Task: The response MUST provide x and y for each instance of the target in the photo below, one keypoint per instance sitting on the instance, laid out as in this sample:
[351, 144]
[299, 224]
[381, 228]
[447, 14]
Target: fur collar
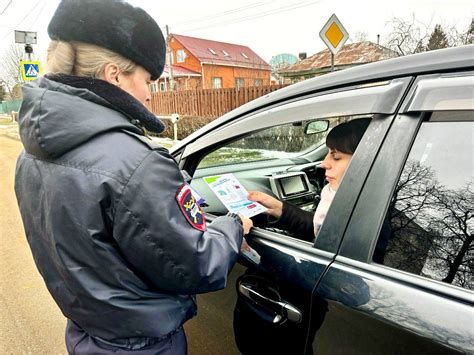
[118, 99]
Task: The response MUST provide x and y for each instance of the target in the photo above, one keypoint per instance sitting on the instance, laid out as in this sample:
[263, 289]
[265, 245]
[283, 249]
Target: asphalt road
[30, 321]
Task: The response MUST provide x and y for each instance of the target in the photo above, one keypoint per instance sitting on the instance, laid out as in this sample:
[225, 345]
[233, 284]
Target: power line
[220, 14]
[38, 15]
[255, 16]
[6, 7]
[23, 19]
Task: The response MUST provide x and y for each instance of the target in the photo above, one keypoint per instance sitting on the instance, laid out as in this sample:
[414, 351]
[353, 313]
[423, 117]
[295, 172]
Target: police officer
[114, 229]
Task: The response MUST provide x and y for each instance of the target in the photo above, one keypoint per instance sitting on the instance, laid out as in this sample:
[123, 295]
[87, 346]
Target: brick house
[350, 55]
[204, 64]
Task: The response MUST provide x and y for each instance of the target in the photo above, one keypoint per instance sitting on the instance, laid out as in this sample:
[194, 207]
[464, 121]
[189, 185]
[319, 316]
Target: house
[185, 79]
[350, 55]
[205, 64]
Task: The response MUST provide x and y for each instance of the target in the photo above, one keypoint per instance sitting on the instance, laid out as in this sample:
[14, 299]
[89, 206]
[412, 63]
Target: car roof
[449, 59]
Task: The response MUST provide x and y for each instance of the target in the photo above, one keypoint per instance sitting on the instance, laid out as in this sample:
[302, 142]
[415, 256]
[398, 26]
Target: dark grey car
[413, 170]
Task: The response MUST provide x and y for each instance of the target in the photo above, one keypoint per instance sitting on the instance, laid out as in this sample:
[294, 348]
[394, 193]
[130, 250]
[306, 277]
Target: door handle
[282, 309]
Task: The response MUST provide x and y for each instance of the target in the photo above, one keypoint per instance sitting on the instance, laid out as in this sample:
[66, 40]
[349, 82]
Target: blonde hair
[83, 59]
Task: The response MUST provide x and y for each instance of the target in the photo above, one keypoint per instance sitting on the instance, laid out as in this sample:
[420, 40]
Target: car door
[266, 306]
[416, 205]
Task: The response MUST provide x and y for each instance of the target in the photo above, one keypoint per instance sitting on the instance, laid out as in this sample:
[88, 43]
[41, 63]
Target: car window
[279, 142]
[429, 225]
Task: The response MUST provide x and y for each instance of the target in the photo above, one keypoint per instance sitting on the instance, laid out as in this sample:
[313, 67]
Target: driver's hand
[274, 206]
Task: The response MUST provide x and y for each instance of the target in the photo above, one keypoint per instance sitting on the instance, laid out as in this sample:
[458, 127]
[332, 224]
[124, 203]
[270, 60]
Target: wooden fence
[209, 103]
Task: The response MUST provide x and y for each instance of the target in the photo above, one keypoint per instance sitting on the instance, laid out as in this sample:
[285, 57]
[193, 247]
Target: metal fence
[208, 103]
[9, 106]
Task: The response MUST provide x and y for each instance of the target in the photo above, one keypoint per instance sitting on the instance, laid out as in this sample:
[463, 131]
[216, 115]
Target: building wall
[182, 83]
[229, 74]
[185, 83]
[208, 71]
[190, 61]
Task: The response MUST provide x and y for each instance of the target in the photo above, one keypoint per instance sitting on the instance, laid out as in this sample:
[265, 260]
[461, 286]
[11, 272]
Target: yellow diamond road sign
[334, 34]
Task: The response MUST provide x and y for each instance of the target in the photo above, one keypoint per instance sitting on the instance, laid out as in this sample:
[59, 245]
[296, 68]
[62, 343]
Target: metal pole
[332, 61]
[170, 61]
[175, 131]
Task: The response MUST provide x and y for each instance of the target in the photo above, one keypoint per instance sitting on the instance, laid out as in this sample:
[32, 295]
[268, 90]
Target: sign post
[334, 35]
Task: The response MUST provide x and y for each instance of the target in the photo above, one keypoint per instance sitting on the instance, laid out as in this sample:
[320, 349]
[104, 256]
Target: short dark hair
[346, 136]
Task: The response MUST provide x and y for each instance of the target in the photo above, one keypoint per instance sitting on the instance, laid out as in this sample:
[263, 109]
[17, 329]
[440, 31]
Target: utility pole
[170, 59]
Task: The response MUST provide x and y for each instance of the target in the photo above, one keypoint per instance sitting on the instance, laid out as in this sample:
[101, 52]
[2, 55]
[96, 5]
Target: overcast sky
[268, 27]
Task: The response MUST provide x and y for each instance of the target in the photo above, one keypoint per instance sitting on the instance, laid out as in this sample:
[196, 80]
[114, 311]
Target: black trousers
[79, 342]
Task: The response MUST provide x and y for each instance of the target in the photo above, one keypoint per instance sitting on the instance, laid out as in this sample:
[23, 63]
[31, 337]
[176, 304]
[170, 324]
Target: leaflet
[233, 195]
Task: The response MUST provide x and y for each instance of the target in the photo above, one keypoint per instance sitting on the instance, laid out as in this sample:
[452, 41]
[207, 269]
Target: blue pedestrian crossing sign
[30, 70]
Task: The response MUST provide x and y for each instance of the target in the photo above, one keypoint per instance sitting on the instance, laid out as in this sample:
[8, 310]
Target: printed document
[233, 195]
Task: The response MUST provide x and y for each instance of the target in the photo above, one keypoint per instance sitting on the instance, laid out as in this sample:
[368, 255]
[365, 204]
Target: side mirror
[315, 127]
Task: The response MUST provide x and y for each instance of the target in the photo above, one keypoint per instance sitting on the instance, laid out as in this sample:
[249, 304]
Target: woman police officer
[114, 229]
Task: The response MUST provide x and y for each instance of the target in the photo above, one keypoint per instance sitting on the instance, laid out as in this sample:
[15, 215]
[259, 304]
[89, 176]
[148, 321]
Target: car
[413, 169]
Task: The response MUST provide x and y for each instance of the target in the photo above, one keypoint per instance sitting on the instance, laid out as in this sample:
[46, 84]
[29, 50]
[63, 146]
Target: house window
[244, 55]
[162, 86]
[225, 53]
[212, 51]
[180, 55]
[258, 82]
[216, 83]
[239, 83]
[153, 87]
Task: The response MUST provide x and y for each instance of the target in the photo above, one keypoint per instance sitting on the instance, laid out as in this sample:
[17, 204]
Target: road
[30, 321]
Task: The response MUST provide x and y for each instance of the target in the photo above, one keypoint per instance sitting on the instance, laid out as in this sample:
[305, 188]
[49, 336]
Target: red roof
[350, 54]
[179, 71]
[221, 53]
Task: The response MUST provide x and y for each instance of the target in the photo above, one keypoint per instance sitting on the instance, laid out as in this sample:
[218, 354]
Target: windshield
[279, 142]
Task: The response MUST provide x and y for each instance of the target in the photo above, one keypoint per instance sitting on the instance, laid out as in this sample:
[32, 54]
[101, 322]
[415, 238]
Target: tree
[407, 37]
[360, 36]
[413, 36]
[432, 227]
[438, 39]
[10, 71]
[462, 38]
[3, 92]
[453, 250]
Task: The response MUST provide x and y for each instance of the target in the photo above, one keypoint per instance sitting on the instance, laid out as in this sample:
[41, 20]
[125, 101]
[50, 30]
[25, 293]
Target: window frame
[383, 109]
[180, 55]
[360, 239]
[153, 87]
[214, 78]
[347, 101]
[237, 80]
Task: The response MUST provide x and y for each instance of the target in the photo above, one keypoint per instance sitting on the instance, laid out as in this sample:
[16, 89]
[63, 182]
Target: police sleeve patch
[190, 208]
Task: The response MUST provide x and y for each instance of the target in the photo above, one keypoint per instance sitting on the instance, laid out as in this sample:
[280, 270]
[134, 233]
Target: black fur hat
[115, 25]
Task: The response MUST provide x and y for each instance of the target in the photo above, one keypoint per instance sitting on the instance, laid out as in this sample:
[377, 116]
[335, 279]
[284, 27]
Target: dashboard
[298, 184]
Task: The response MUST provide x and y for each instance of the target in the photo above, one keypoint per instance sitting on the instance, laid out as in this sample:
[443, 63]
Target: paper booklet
[233, 195]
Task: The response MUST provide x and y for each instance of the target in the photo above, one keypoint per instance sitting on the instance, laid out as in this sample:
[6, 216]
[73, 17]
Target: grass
[6, 122]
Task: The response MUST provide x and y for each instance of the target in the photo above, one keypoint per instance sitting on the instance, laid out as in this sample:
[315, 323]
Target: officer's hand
[274, 206]
[246, 223]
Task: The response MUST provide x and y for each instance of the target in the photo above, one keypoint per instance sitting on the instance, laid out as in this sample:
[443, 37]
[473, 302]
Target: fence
[208, 103]
[9, 106]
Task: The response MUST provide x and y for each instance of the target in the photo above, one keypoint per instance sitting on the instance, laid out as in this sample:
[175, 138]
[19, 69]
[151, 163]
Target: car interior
[282, 161]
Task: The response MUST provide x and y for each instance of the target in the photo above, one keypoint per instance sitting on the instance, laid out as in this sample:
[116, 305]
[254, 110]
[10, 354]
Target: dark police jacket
[105, 217]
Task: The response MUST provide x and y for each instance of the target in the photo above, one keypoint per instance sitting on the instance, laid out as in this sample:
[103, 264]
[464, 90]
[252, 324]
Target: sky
[268, 27]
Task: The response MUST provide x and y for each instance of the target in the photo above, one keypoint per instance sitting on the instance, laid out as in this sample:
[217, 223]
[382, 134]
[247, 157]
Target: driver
[342, 142]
